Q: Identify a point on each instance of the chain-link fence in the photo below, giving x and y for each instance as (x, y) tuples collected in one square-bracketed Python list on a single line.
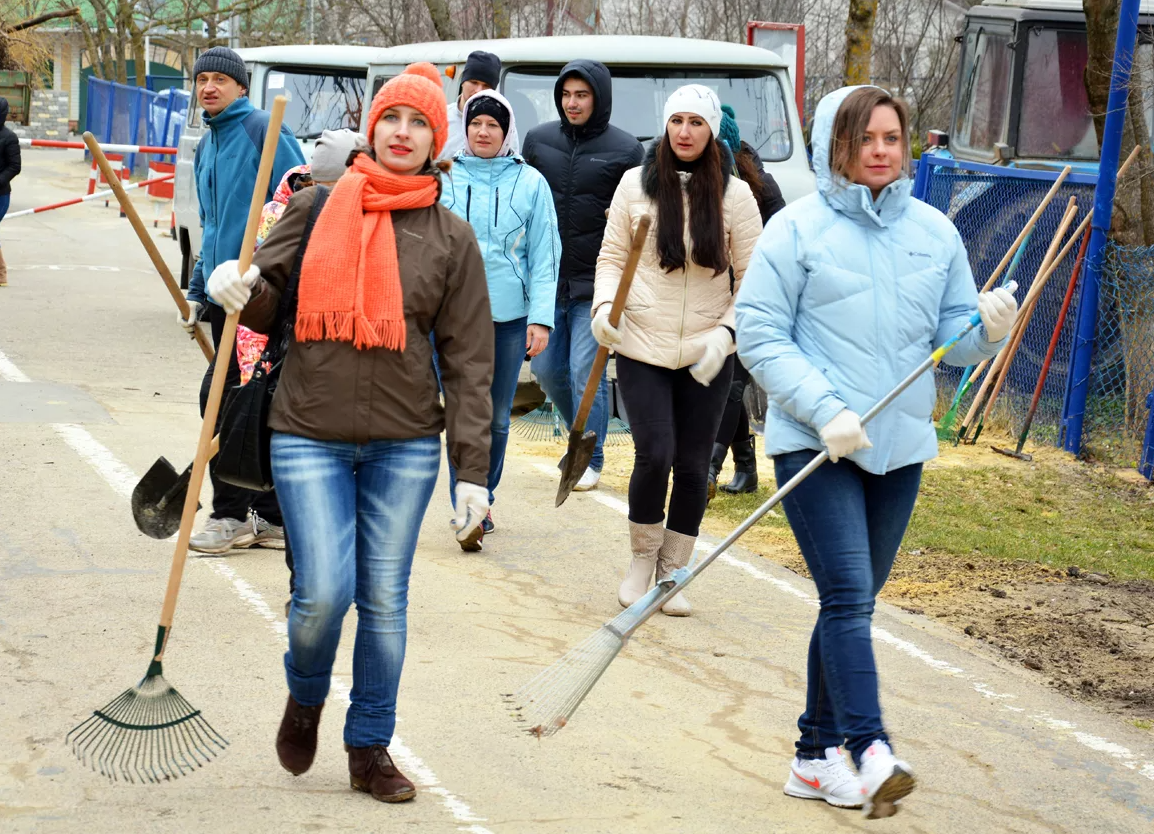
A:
[(129, 115), (1122, 377), (989, 210)]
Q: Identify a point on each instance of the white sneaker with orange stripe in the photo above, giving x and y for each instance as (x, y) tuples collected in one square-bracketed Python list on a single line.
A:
[(885, 781), (830, 779)]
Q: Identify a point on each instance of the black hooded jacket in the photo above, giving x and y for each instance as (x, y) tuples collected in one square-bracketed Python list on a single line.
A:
[(9, 152), (583, 165), (770, 201)]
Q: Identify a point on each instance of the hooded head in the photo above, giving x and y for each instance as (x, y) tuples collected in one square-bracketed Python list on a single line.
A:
[(492, 103), (597, 76)]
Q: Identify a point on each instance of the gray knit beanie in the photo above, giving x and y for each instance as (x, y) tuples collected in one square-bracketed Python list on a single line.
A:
[(224, 60), (331, 153)]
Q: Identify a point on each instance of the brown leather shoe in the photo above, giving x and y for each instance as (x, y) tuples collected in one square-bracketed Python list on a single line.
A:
[(296, 740), (371, 770)]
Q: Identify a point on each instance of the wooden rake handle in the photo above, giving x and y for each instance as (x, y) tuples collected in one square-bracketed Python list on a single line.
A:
[(220, 371), (602, 357), (149, 246)]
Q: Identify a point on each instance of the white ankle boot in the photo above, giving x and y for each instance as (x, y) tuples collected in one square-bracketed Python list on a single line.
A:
[(645, 541), (676, 551)]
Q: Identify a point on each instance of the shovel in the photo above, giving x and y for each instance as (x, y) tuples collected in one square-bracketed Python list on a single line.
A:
[(158, 499), (582, 443)]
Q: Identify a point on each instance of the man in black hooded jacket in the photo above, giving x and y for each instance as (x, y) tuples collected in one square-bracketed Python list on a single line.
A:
[(583, 157), (9, 168)]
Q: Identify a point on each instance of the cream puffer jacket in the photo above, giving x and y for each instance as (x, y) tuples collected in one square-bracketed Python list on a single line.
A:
[(668, 314)]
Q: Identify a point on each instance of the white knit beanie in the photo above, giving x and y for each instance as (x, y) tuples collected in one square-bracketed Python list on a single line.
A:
[(699, 100)]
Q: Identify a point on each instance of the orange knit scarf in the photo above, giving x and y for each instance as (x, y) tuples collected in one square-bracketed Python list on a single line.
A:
[(350, 283)]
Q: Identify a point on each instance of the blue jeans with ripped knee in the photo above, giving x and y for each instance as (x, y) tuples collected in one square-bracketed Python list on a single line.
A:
[(353, 512)]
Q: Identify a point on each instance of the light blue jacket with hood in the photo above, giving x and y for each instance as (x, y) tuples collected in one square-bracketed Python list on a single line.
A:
[(510, 207), (844, 296)]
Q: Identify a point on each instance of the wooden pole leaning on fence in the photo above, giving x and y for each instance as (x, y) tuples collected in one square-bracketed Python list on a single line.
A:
[(1042, 206), (142, 232), (999, 360)]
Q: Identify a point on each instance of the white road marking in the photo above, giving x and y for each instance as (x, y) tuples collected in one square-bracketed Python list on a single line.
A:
[(1100, 745), (122, 480)]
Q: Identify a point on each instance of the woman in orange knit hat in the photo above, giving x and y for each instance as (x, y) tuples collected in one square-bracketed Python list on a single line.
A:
[(356, 288)]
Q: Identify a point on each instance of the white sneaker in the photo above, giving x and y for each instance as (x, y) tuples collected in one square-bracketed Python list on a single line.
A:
[(885, 781), (830, 779), (588, 480)]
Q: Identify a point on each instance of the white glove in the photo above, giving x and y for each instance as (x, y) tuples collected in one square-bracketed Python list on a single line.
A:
[(606, 334), (999, 310), (844, 435), (718, 341), (471, 506), (229, 288), (189, 324)]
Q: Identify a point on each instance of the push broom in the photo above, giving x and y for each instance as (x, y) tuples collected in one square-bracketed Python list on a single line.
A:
[(547, 702), (150, 733)]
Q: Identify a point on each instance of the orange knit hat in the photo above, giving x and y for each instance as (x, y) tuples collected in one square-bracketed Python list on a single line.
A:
[(419, 87)]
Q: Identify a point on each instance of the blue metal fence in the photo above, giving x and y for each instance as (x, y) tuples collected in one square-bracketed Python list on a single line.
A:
[(129, 115)]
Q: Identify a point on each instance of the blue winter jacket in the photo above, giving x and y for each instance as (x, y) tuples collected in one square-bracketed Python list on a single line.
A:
[(844, 296), (225, 168), (510, 207)]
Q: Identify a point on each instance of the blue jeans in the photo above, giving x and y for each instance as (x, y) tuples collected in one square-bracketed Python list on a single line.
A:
[(509, 337), (5, 201), (353, 512), (563, 368), (848, 524)]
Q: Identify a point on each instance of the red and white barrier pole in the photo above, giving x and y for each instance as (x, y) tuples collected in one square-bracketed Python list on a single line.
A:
[(54, 143), (95, 196)]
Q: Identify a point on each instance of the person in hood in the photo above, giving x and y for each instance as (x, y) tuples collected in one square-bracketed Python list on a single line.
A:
[(482, 71), (849, 290), (9, 168), (510, 208), (224, 168), (674, 342), (583, 157), (734, 431), (377, 264)]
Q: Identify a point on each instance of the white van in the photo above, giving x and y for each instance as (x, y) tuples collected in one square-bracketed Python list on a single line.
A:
[(325, 86), (645, 71)]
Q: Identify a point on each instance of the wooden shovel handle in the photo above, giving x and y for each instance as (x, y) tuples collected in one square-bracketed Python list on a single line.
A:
[(220, 371), (149, 246), (602, 357)]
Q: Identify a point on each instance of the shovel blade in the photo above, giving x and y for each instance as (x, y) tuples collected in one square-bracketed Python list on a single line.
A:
[(1011, 453), (158, 500), (577, 459)]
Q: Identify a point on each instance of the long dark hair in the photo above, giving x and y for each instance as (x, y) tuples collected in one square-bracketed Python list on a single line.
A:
[(706, 189), (749, 171)]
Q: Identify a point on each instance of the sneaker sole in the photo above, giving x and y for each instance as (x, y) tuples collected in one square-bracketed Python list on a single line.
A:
[(269, 542), (892, 790), (236, 544), (806, 792)]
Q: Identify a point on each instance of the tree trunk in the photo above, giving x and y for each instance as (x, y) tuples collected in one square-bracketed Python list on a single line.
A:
[(502, 25), (138, 53), (859, 41), (1133, 219), (442, 20)]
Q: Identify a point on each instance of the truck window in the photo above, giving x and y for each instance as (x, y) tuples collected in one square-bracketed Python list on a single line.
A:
[(1055, 120), (318, 99), (639, 102), (984, 95)]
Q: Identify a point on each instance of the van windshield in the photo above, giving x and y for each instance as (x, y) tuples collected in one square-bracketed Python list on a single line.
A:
[(318, 100), (984, 93), (639, 102)]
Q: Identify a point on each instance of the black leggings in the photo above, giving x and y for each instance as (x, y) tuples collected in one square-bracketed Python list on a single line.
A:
[(735, 420), (674, 420)]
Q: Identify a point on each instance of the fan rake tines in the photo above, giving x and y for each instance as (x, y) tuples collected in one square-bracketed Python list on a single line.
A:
[(147, 734)]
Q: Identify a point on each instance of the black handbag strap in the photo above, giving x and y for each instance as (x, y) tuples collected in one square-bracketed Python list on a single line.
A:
[(282, 328)]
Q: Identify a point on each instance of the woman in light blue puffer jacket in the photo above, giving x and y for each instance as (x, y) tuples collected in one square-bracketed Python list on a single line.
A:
[(510, 207), (849, 289)]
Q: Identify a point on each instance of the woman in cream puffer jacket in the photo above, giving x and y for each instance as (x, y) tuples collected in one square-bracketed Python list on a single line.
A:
[(675, 339)]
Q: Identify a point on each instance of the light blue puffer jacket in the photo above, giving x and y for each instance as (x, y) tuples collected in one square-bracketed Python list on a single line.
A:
[(510, 207), (844, 297)]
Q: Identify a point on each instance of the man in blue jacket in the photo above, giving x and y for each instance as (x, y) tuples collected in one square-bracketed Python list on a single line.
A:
[(225, 169)]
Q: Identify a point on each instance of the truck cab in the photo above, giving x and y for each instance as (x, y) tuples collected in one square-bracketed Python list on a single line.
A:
[(1021, 97), (325, 87), (645, 71)]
